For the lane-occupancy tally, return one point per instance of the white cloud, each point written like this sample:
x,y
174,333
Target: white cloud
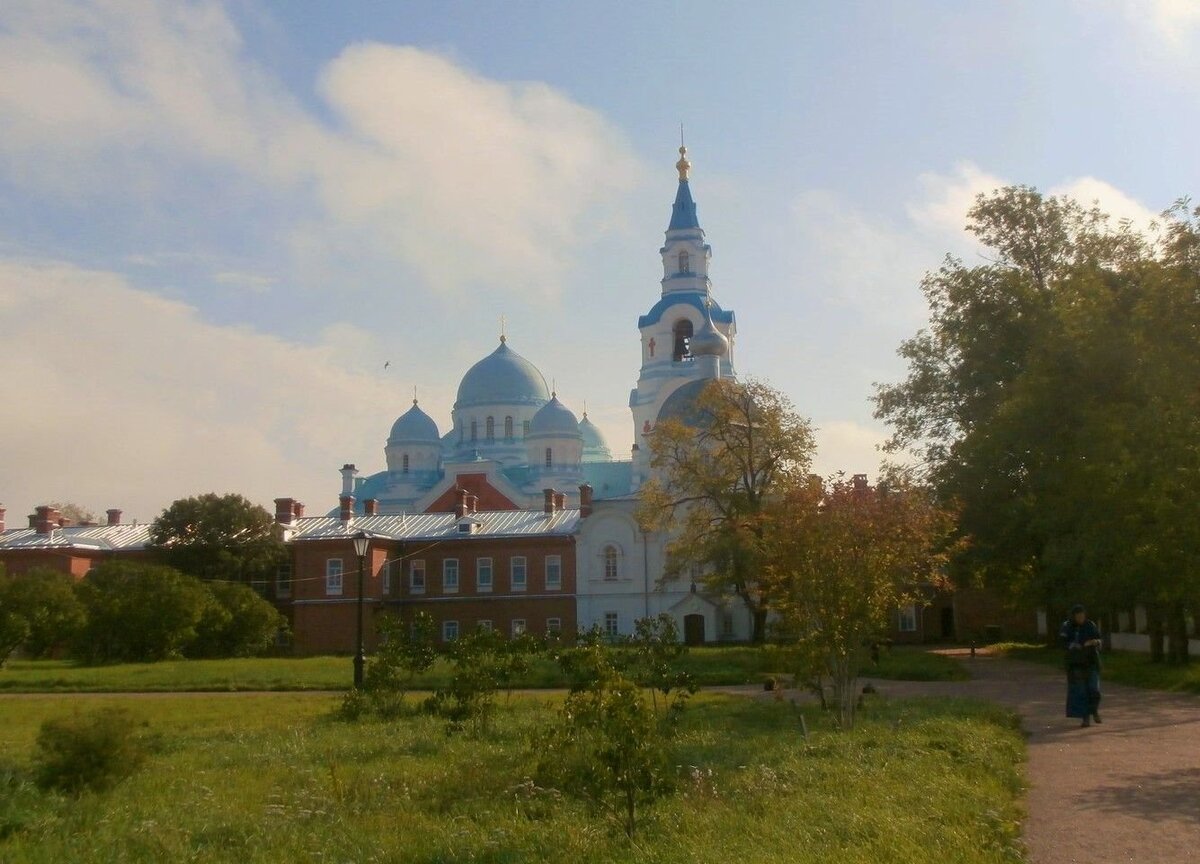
x,y
460,177
941,210
125,399
1175,24
1120,206
844,445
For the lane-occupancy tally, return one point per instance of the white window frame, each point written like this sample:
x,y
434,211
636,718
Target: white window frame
x,y
615,558
447,571
415,568
612,624
512,572
486,625
387,577
283,580
334,576
906,618
518,626
449,631
481,564
554,564
553,626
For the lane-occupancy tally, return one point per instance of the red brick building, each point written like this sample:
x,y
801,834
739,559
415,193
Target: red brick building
x,y
512,570
52,542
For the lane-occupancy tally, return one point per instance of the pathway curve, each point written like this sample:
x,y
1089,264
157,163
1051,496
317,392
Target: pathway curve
x,y
1124,791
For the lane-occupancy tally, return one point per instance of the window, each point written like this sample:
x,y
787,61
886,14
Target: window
x,y
259,586
553,626
404,463
466,527
684,267
483,574
508,428
519,571
449,631
387,577
474,430
726,624
484,625
283,580
553,572
549,457
525,428
333,576
907,619
450,576
612,624
518,626
416,577
612,570
490,428
683,336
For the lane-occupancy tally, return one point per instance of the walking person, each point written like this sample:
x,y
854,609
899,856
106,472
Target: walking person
x,y
1080,637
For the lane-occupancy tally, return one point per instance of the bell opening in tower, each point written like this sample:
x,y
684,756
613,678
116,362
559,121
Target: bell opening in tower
x,y
683,335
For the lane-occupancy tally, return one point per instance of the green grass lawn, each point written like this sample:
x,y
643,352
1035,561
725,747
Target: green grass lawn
x,y
271,777
710,666
1122,667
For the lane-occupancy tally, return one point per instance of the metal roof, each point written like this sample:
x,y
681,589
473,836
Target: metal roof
x,y
439,526
106,538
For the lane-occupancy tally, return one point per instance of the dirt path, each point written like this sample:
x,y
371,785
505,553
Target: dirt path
x,y
1125,791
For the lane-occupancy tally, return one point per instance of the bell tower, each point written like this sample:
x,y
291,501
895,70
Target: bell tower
x,y
685,307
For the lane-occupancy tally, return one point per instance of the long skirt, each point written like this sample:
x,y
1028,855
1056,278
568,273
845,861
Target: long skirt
x,y
1083,692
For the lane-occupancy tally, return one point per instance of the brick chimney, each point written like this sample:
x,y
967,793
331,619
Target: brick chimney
x,y
371,507
585,501
32,517
284,510
346,508
473,503
3,513
297,510
548,500
860,484
46,519
560,501
348,472
114,516
460,504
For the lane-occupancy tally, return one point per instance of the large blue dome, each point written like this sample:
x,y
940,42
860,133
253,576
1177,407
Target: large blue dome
x,y
554,418
681,405
415,425
503,377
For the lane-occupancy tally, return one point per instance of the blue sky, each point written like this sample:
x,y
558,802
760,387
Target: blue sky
x,y
218,221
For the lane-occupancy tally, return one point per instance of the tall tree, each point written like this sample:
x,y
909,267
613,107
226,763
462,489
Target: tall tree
x,y
45,599
1052,398
223,537
716,470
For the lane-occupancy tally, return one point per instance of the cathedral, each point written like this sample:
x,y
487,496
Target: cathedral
x,y
510,437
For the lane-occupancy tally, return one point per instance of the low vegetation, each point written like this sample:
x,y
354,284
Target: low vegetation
x,y
1120,667
258,778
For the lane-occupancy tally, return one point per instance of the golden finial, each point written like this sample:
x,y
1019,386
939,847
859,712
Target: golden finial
x,y
684,164
414,394
503,322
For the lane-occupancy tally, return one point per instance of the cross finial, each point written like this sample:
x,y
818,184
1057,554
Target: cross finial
x,y
414,394
503,327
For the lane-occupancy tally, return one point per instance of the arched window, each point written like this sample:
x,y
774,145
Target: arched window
x,y
474,430
684,266
612,569
404,466
525,429
508,428
549,457
683,335
490,428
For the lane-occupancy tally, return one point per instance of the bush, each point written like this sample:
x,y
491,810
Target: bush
x,y
46,600
87,752
13,631
139,612
239,624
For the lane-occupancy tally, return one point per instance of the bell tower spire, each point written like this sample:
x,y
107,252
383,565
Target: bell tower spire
x,y
685,254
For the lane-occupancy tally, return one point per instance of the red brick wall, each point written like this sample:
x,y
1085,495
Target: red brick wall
x,y
71,561
490,498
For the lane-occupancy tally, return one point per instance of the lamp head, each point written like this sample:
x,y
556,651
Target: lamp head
x,y
361,542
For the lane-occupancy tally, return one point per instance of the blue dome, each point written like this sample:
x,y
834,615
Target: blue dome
x,y
503,377
681,405
415,425
709,341
554,418
592,436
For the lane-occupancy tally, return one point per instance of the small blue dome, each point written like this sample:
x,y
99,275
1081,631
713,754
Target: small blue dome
x,y
415,425
708,341
554,418
592,436
681,405
503,377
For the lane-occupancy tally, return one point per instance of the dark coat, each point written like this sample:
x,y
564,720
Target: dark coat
x,y
1072,634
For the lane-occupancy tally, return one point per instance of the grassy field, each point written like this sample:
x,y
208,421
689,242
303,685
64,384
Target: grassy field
x,y
271,777
731,665
1122,667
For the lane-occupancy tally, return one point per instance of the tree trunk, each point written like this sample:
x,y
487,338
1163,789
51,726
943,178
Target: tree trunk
x,y
1154,628
760,624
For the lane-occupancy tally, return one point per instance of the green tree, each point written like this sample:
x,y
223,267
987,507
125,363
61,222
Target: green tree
x,y
218,537
239,624
656,654
1050,400
45,599
139,612
406,650
13,631
840,560
714,477
610,747
482,662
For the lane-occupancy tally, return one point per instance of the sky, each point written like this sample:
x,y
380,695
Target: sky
x,y
219,221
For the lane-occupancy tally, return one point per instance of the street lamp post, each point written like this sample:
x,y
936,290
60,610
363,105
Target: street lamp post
x,y
361,544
